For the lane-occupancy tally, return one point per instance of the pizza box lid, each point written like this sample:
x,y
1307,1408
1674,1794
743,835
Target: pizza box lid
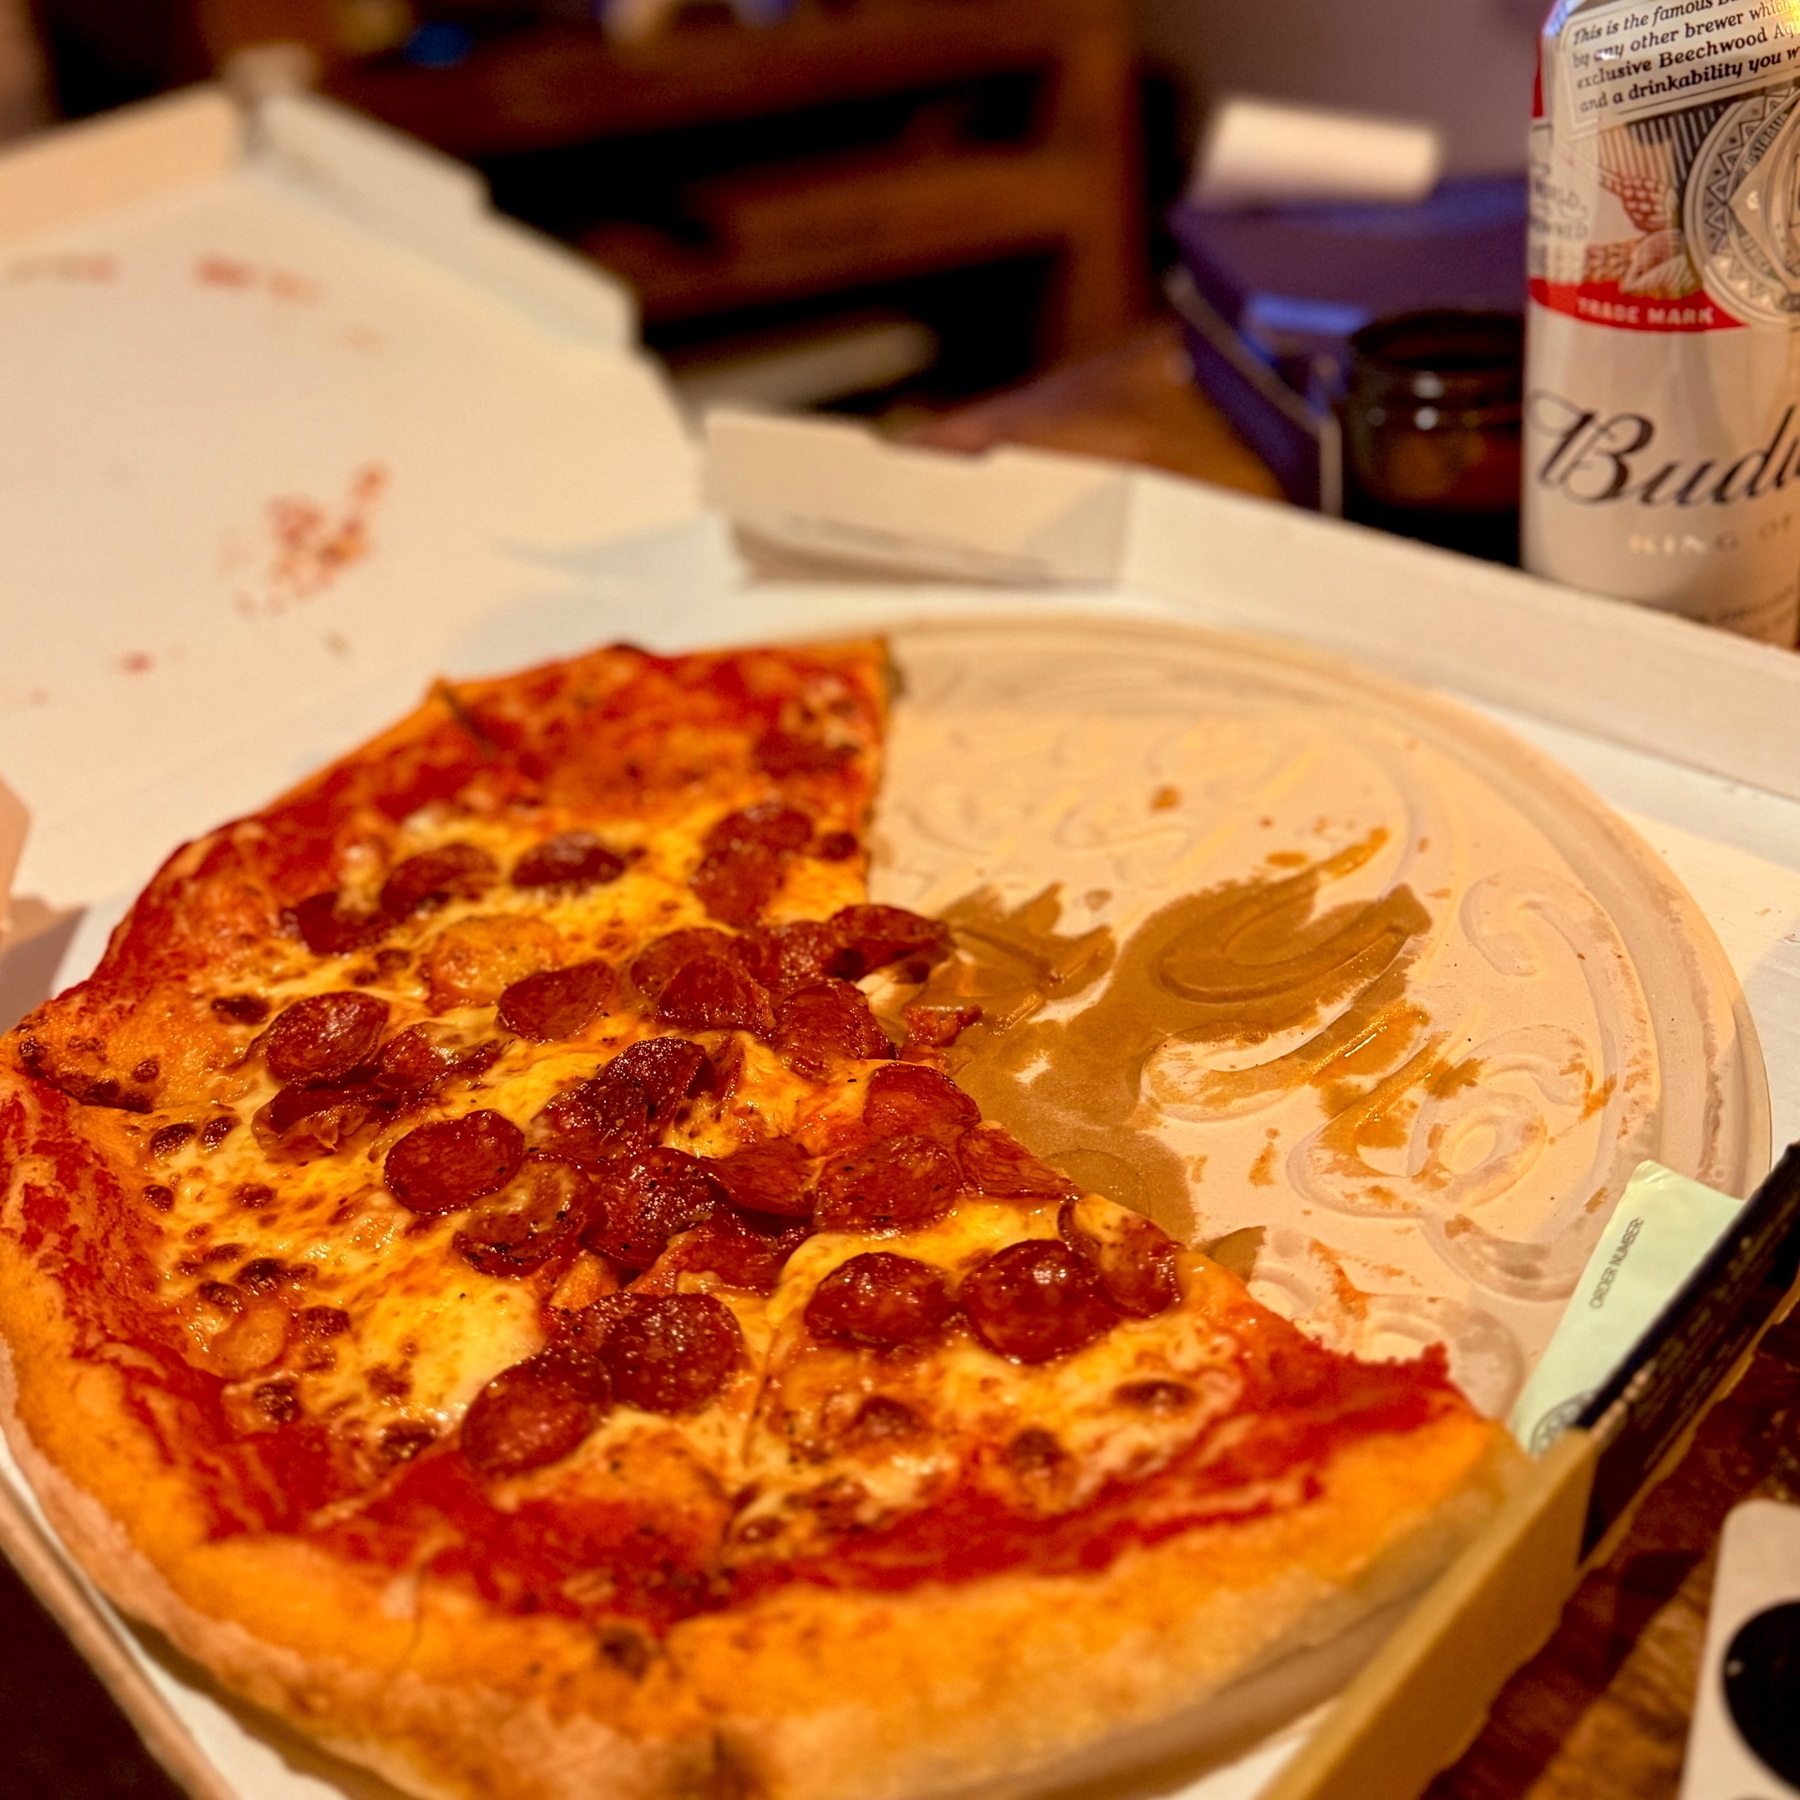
x,y
315,426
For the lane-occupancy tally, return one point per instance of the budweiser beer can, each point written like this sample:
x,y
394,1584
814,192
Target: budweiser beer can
x,y
1662,378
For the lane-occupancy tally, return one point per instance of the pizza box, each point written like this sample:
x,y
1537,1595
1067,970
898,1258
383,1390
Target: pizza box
x,y
312,426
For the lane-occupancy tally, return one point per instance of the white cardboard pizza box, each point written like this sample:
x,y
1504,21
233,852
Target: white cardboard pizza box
x,y
315,427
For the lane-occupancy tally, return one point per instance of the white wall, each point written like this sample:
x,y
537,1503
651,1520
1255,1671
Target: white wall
x,y
1465,64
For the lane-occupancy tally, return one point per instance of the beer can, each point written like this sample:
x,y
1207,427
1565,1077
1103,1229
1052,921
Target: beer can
x,y
1662,388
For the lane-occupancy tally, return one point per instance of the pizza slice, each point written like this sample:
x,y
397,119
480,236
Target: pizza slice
x,y
476,1271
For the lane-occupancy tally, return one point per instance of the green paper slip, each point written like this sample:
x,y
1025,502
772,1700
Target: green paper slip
x,y
1662,1227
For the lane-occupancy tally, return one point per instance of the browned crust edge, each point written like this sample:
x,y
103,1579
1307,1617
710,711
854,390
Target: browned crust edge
x,y
807,1694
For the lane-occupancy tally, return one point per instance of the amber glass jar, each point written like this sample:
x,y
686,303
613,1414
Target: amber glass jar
x,y
1431,429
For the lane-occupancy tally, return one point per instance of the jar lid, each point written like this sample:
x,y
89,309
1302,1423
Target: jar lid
x,y
1444,353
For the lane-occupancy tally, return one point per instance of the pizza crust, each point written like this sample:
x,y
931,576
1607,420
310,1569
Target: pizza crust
x,y
808,1694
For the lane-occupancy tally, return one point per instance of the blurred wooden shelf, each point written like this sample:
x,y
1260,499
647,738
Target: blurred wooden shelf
x,y
808,224
855,221
564,84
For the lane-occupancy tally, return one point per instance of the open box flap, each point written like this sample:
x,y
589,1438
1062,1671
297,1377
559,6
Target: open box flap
x,y
289,452
1651,680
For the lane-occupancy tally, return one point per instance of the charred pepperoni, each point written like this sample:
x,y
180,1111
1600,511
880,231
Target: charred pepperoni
x,y
629,1104
327,930
666,1071
995,1163
435,877
786,957
672,1353
937,1027
893,1184
643,1203
324,1036
451,1163
535,1413
784,753
307,1120
652,969
714,994
907,1098
747,1250
1134,1258
1034,1301
743,857
571,859
538,1213
827,1023
557,1003
872,937
593,1123
771,1177
423,1057
880,1300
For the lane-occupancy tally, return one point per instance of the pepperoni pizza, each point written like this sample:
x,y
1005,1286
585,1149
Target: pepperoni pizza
x,y
476,1272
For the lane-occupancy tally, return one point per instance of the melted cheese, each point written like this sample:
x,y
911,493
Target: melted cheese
x,y
426,1330
969,1400
333,1300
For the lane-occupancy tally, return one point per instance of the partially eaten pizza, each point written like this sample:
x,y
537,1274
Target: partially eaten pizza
x,y
478,1272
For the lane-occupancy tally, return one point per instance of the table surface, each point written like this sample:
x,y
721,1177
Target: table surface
x,y
1600,1714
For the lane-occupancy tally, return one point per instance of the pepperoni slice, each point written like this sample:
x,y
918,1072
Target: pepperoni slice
x,y
434,877
423,1057
328,931
535,1413
594,1123
827,1023
768,825
871,937
746,1249
1133,1257
937,1027
672,1353
535,1215
1034,1301
657,963
743,857
880,1300
786,957
627,1106
893,1184
451,1163
995,1163
712,994
786,753
666,1071
556,1003
644,1202
324,1036
307,1120
904,1097
570,859
735,887
770,1177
